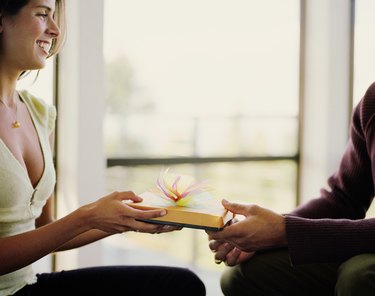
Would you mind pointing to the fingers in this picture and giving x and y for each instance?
(167, 228)
(127, 195)
(235, 208)
(226, 234)
(113, 214)
(145, 227)
(213, 245)
(232, 257)
(228, 253)
(221, 250)
(146, 214)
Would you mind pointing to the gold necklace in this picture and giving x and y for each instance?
(15, 123)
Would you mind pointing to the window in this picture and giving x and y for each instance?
(364, 48)
(208, 88)
(364, 58)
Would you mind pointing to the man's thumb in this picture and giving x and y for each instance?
(235, 208)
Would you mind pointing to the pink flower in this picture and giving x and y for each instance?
(177, 187)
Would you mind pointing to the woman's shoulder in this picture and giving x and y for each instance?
(40, 109)
(32, 100)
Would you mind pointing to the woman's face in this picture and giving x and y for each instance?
(27, 36)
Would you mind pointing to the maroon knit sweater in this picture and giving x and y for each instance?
(333, 227)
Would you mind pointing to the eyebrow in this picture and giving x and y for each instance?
(44, 6)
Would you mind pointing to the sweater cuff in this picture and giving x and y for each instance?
(328, 240)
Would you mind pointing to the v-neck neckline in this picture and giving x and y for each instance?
(24, 169)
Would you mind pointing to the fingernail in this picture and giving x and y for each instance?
(218, 261)
(138, 197)
(163, 213)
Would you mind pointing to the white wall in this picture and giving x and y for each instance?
(326, 91)
(81, 161)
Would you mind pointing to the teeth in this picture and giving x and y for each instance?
(44, 45)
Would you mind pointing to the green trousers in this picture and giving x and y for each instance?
(271, 273)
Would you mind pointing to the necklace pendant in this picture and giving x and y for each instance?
(16, 124)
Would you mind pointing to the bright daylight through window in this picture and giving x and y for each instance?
(210, 89)
(364, 59)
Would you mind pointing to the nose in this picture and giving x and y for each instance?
(53, 29)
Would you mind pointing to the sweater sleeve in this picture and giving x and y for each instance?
(331, 227)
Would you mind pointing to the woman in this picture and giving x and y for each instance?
(30, 32)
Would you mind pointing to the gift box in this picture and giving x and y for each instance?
(188, 203)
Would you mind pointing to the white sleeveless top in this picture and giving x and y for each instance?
(20, 202)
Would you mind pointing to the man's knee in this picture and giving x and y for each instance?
(253, 277)
(356, 276)
(228, 280)
(234, 282)
(270, 273)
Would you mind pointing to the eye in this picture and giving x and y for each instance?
(42, 15)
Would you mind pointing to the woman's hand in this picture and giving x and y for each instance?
(112, 215)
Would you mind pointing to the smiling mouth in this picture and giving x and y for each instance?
(46, 46)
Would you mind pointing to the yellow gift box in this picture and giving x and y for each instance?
(188, 203)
